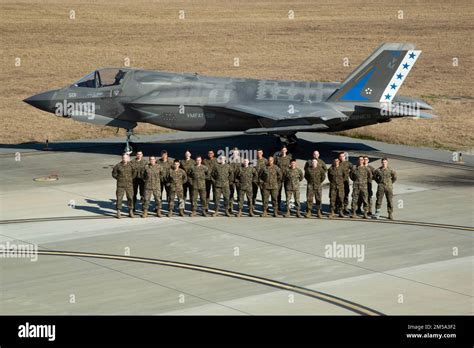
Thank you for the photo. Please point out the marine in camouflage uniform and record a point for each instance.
(337, 177)
(222, 176)
(315, 176)
(321, 163)
(186, 164)
(292, 177)
(139, 163)
(198, 174)
(244, 179)
(124, 173)
(385, 178)
(235, 164)
(346, 166)
(210, 162)
(270, 177)
(175, 179)
(360, 176)
(153, 177)
(369, 187)
(282, 160)
(260, 163)
(166, 163)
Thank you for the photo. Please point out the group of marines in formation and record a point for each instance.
(238, 176)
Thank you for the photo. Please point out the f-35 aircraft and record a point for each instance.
(121, 97)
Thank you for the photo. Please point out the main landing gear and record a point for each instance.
(128, 144)
(288, 139)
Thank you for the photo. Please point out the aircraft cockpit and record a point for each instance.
(102, 78)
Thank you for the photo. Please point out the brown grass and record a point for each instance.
(56, 51)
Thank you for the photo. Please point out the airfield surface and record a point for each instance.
(49, 44)
(421, 263)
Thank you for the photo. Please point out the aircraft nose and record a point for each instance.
(43, 101)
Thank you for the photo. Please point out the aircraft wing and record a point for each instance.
(289, 129)
(283, 111)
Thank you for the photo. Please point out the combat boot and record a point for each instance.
(365, 215)
(170, 212)
(354, 214)
(227, 213)
(390, 216)
(331, 215)
(251, 213)
(275, 213)
(131, 214)
(287, 214)
(145, 213)
(193, 213)
(119, 214)
(298, 213)
(319, 214)
(204, 212)
(216, 213)
(264, 213)
(181, 212)
(158, 212)
(308, 213)
(239, 213)
(341, 213)
(377, 214)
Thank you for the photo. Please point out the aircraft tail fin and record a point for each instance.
(380, 76)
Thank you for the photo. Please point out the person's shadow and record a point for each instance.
(106, 208)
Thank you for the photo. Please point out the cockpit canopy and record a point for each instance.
(102, 78)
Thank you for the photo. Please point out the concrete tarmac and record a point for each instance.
(422, 263)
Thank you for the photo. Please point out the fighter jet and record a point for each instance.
(122, 97)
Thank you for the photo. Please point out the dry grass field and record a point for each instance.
(56, 50)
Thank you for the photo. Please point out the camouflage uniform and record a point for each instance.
(385, 179)
(370, 191)
(186, 165)
(166, 165)
(245, 177)
(360, 176)
(283, 162)
(315, 178)
(337, 178)
(124, 174)
(346, 166)
(259, 166)
(321, 164)
(270, 177)
(153, 176)
(233, 188)
(197, 177)
(175, 180)
(292, 178)
(222, 176)
(210, 164)
(138, 182)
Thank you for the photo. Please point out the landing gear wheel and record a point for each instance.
(128, 148)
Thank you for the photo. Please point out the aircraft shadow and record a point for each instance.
(221, 145)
